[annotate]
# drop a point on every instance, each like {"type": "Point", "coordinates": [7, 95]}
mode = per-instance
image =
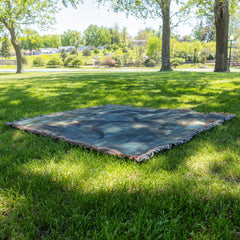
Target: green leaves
{"type": "Point", "coordinates": [5, 49]}
{"type": "Point", "coordinates": [97, 36]}
{"type": "Point", "coordinates": [21, 13]}
{"type": "Point", "coordinates": [71, 38]}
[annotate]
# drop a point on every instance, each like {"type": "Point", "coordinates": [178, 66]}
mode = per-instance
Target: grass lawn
{"type": "Point", "coordinates": [53, 190]}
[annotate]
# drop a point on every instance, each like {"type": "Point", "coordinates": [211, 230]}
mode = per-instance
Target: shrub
{"type": "Point", "coordinates": [38, 62]}
{"type": "Point", "coordinates": [203, 59]}
{"type": "Point", "coordinates": [118, 52]}
{"type": "Point", "coordinates": [154, 48]}
{"type": "Point", "coordinates": [131, 46]}
{"type": "Point", "coordinates": [195, 56]}
{"type": "Point", "coordinates": [97, 62]}
{"type": "Point", "coordinates": [175, 64]}
{"type": "Point", "coordinates": [115, 46]}
{"type": "Point", "coordinates": [109, 61]}
{"type": "Point", "coordinates": [195, 59]}
{"type": "Point", "coordinates": [74, 51]}
{"type": "Point", "coordinates": [180, 54]}
{"type": "Point", "coordinates": [105, 52]}
{"type": "Point", "coordinates": [126, 59]}
{"type": "Point", "coordinates": [119, 60]}
{"type": "Point", "coordinates": [63, 54]}
{"type": "Point", "coordinates": [130, 63]}
{"type": "Point", "coordinates": [96, 50]}
{"type": "Point", "coordinates": [109, 48]}
{"type": "Point", "coordinates": [86, 52]}
{"type": "Point", "coordinates": [138, 62]}
{"type": "Point", "coordinates": [236, 55]}
{"type": "Point", "coordinates": [68, 60]}
{"type": "Point", "coordinates": [125, 50]}
{"type": "Point", "coordinates": [76, 62]}
{"type": "Point", "coordinates": [122, 45]}
{"type": "Point", "coordinates": [24, 60]}
{"type": "Point", "coordinates": [211, 57]}
{"type": "Point", "coordinates": [178, 60]}
{"type": "Point", "coordinates": [54, 62]}
{"type": "Point", "coordinates": [73, 61]}
{"type": "Point", "coordinates": [150, 62]}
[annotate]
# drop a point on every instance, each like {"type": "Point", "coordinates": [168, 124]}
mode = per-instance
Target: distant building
{"type": "Point", "coordinates": [48, 50]}
{"type": "Point", "coordinates": [82, 48]}
{"type": "Point", "coordinates": [67, 48]}
{"type": "Point", "coordinates": [137, 43]}
{"type": "Point", "coordinates": [33, 52]}
{"type": "Point", "coordinates": [102, 47]}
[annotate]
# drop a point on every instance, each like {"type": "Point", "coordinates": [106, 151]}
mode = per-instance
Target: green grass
{"type": "Point", "coordinates": [53, 190]}
{"type": "Point", "coordinates": [8, 67]}
{"type": "Point", "coordinates": [196, 65]}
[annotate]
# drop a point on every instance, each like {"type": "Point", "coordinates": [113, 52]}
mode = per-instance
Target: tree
{"type": "Point", "coordinates": [124, 35]}
{"type": "Point", "coordinates": [31, 41]}
{"type": "Point", "coordinates": [144, 35]}
{"type": "Point", "coordinates": [234, 25]}
{"type": "Point", "coordinates": [165, 9]}
{"type": "Point", "coordinates": [115, 35]}
{"type": "Point", "coordinates": [63, 54]}
{"type": "Point", "coordinates": [5, 50]}
{"type": "Point", "coordinates": [97, 36]}
{"type": "Point", "coordinates": [186, 38]}
{"type": "Point", "coordinates": [72, 38]}
{"type": "Point", "coordinates": [221, 10]}
{"type": "Point", "coordinates": [15, 15]}
{"type": "Point", "coordinates": [205, 32]}
{"type": "Point", "coordinates": [154, 48]}
{"type": "Point", "coordinates": [50, 41]}
{"type": "Point", "coordinates": [144, 9]}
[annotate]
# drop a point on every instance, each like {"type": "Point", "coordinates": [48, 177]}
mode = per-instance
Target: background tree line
{"type": "Point", "coordinates": [195, 48]}
{"type": "Point", "coordinates": [93, 36]}
{"type": "Point", "coordinates": [17, 15]}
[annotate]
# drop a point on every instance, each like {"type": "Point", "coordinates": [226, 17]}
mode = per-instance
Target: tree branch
{"type": "Point", "coordinates": [5, 23]}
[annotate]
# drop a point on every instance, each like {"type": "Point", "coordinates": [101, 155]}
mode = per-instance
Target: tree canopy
{"type": "Point", "coordinates": [71, 38]}
{"type": "Point", "coordinates": [145, 9]}
{"type": "Point", "coordinates": [22, 13]}
{"type": "Point", "coordinates": [234, 25]}
{"type": "Point", "coordinates": [97, 36]}
{"type": "Point", "coordinates": [5, 49]}
{"type": "Point", "coordinates": [17, 15]}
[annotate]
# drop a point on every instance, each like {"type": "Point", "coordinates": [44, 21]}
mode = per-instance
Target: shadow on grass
{"type": "Point", "coordinates": [37, 95]}
{"type": "Point", "coordinates": [48, 207]}
{"type": "Point", "coordinates": [43, 205]}
{"type": "Point", "coordinates": [112, 198]}
{"type": "Point", "coordinates": [68, 91]}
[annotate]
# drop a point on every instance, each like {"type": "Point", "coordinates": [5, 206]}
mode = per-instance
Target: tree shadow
{"type": "Point", "coordinates": [51, 209]}
{"type": "Point", "coordinates": [162, 198]}
{"type": "Point", "coordinates": [72, 91]}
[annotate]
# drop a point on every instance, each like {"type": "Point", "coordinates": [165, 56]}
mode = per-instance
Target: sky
{"type": "Point", "coordinates": [88, 13]}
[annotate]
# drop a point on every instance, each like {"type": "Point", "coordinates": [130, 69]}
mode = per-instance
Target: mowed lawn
{"type": "Point", "coordinates": [53, 190]}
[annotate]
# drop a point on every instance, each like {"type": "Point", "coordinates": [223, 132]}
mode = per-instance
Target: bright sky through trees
{"type": "Point", "coordinates": [89, 13]}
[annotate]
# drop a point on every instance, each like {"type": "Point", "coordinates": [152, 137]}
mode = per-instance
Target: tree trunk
{"type": "Point", "coordinates": [17, 48]}
{"type": "Point", "coordinates": [221, 12]}
{"type": "Point", "coordinates": [165, 8]}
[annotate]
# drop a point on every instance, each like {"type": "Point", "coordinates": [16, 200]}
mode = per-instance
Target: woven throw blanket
{"type": "Point", "coordinates": [122, 130]}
